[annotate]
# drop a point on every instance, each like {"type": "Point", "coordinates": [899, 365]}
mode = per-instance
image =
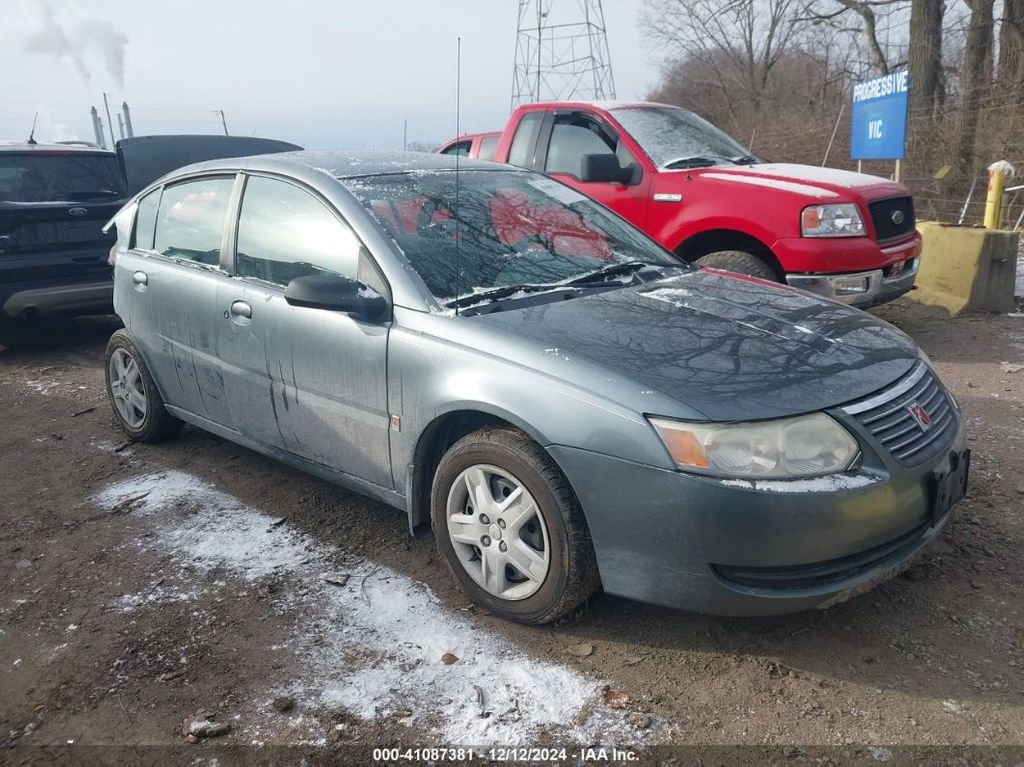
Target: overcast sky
{"type": "Point", "coordinates": [321, 73]}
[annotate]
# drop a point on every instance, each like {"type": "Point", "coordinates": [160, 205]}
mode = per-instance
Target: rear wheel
{"type": "Point", "coordinates": [134, 398]}
{"type": "Point", "coordinates": [510, 529]}
{"type": "Point", "coordinates": [741, 262]}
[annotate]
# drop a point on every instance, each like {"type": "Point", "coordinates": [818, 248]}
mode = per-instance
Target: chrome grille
{"type": "Point", "coordinates": [889, 418]}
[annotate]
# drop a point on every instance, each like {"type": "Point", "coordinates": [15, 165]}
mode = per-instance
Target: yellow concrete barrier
{"type": "Point", "coordinates": [966, 269]}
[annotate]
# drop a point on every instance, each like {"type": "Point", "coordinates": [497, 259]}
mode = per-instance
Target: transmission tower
{"type": "Point", "coordinates": [561, 52]}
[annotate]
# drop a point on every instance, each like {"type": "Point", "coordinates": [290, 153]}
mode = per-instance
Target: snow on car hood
{"type": "Point", "coordinates": [807, 180]}
{"type": "Point", "coordinates": [731, 348]}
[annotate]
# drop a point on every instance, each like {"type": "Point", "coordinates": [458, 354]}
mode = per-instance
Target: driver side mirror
{"type": "Point", "coordinates": [605, 168]}
{"type": "Point", "coordinates": [335, 293]}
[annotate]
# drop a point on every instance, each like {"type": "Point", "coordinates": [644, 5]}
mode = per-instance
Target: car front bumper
{"type": "Point", "coordinates": [861, 289]}
{"type": "Point", "coordinates": [739, 548]}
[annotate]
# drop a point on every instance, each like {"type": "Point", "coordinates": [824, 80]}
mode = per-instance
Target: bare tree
{"type": "Point", "coordinates": [736, 43]}
{"type": "Point", "coordinates": [835, 12]}
{"type": "Point", "coordinates": [974, 80]}
{"type": "Point", "coordinates": [925, 57]}
{"type": "Point", "coordinates": [1011, 50]}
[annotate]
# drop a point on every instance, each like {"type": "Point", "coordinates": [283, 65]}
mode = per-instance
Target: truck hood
{"type": "Point", "coordinates": [731, 348]}
{"type": "Point", "coordinates": [807, 180]}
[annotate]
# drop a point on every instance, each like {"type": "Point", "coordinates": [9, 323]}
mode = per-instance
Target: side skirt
{"type": "Point", "coordinates": [349, 482]}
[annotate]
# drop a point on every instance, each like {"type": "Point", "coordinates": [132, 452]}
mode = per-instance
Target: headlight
{"type": "Point", "coordinates": [806, 446]}
{"type": "Point", "coordinates": [832, 221]}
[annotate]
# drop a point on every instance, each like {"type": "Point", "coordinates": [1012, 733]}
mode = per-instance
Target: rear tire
{"type": "Point", "coordinates": [741, 262]}
{"type": "Point", "coordinates": [134, 398]}
{"type": "Point", "coordinates": [510, 529]}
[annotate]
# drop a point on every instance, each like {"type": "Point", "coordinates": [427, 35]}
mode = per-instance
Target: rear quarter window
{"type": "Point", "coordinates": [145, 221]}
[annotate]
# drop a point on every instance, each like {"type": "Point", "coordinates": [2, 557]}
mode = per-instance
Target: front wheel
{"type": "Point", "coordinates": [741, 262]}
{"type": "Point", "coordinates": [510, 529]}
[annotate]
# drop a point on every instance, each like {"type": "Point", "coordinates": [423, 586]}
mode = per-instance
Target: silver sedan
{"type": "Point", "coordinates": [562, 403]}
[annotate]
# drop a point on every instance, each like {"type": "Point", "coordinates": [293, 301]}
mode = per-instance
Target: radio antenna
{"type": "Point", "coordinates": [32, 134]}
{"type": "Point", "coordinates": [458, 132]}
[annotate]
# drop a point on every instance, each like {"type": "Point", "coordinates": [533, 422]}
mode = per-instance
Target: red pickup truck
{"type": "Point", "coordinates": [844, 235]}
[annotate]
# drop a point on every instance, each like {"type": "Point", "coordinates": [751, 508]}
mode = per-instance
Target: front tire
{"type": "Point", "coordinates": [741, 262]}
{"type": "Point", "coordinates": [510, 529]}
{"type": "Point", "coordinates": [134, 398]}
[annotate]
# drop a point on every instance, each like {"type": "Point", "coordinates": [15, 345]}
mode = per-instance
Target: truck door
{"type": "Point", "coordinates": [568, 136]}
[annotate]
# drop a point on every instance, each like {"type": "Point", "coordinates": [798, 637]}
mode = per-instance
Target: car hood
{"type": "Point", "coordinates": [728, 347]}
{"type": "Point", "coordinates": [807, 180]}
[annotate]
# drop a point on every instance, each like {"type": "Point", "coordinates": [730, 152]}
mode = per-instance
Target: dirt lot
{"type": "Point", "coordinates": [147, 587]}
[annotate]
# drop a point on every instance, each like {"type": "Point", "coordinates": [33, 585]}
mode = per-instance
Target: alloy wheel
{"type": "Point", "coordinates": [127, 388]}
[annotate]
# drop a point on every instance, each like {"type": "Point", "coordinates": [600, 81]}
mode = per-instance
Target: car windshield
{"type": "Point", "coordinates": [59, 176]}
{"type": "Point", "coordinates": [670, 134]}
{"type": "Point", "coordinates": [512, 229]}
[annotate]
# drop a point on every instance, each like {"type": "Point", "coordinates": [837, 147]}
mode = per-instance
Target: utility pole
{"type": "Point", "coordinates": [561, 52]}
{"type": "Point", "coordinates": [223, 122]}
{"type": "Point", "coordinates": [110, 123]}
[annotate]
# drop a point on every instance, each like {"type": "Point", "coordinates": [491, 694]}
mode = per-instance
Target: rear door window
{"type": "Point", "coordinates": [285, 232]}
{"type": "Point", "coordinates": [523, 142]}
{"type": "Point", "coordinates": [488, 147]}
{"type": "Point", "coordinates": [190, 221]}
{"type": "Point", "coordinates": [461, 148]}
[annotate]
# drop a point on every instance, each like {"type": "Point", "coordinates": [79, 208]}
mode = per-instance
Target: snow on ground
{"type": "Point", "coordinates": [381, 651]}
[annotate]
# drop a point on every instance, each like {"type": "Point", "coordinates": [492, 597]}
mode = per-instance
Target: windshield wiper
{"type": "Point", "coordinates": [746, 159]}
{"type": "Point", "coordinates": [697, 161]}
{"type": "Point", "coordinates": [501, 292]}
{"type": "Point", "coordinates": [626, 267]}
{"type": "Point", "coordinates": [94, 193]}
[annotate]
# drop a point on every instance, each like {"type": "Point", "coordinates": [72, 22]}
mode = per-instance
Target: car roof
{"type": "Point", "coordinates": [24, 146]}
{"type": "Point", "coordinates": [342, 164]}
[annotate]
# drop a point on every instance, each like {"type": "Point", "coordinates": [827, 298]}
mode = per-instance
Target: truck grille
{"type": "Point", "coordinates": [890, 417]}
{"type": "Point", "coordinates": [883, 213]}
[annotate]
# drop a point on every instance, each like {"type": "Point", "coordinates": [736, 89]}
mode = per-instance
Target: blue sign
{"type": "Point", "coordinates": [880, 117]}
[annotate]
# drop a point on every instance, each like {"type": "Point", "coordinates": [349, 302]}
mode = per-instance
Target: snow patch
{"type": "Point", "coordinates": [674, 296]}
{"type": "Point", "coordinates": [374, 645]}
{"type": "Point", "coordinates": [773, 183]}
{"type": "Point", "coordinates": [827, 484]}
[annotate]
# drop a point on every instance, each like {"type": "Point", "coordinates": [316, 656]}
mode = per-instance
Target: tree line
{"type": "Point", "coordinates": [778, 75]}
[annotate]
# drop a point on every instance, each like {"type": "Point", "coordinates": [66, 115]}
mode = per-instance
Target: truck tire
{"type": "Point", "coordinates": [134, 398]}
{"type": "Point", "coordinates": [741, 262]}
{"type": "Point", "coordinates": [510, 529]}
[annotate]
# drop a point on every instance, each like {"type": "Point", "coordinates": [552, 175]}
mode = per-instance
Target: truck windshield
{"type": "Point", "coordinates": [513, 229]}
{"type": "Point", "coordinates": [670, 135]}
{"type": "Point", "coordinates": [42, 176]}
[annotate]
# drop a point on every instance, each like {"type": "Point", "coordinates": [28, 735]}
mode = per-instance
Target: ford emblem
{"type": "Point", "coordinates": [78, 211]}
{"type": "Point", "coordinates": [897, 217]}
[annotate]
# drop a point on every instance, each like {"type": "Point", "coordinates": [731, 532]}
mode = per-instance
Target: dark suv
{"type": "Point", "coordinates": [54, 199]}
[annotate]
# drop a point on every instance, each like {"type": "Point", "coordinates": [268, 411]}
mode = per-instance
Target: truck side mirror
{"type": "Point", "coordinates": [604, 168]}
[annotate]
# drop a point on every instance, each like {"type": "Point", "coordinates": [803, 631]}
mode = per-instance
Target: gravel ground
{"type": "Point", "coordinates": [151, 591]}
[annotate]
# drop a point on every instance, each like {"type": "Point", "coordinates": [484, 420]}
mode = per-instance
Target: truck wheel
{"type": "Point", "coordinates": [137, 404]}
{"type": "Point", "coordinates": [741, 262]}
{"type": "Point", "coordinates": [510, 528]}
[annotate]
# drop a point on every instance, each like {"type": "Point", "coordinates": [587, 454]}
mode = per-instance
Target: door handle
{"type": "Point", "coordinates": [241, 309]}
{"type": "Point", "coordinates": [140, 280]}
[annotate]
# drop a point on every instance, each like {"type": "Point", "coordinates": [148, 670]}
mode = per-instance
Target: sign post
{"type": "Point", "coordinates": [879, 115]}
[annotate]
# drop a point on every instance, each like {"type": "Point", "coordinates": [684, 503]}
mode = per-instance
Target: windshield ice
{"type": "Point", "coordinates": [670, 133]}
{"type": "Point", "coordinates": [512, 228]}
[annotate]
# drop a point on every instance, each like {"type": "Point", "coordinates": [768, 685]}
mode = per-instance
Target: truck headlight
{"type": "Point", "coordinates": [805, 446]}
{"type": "Point", "coordinates": [841, 220]}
